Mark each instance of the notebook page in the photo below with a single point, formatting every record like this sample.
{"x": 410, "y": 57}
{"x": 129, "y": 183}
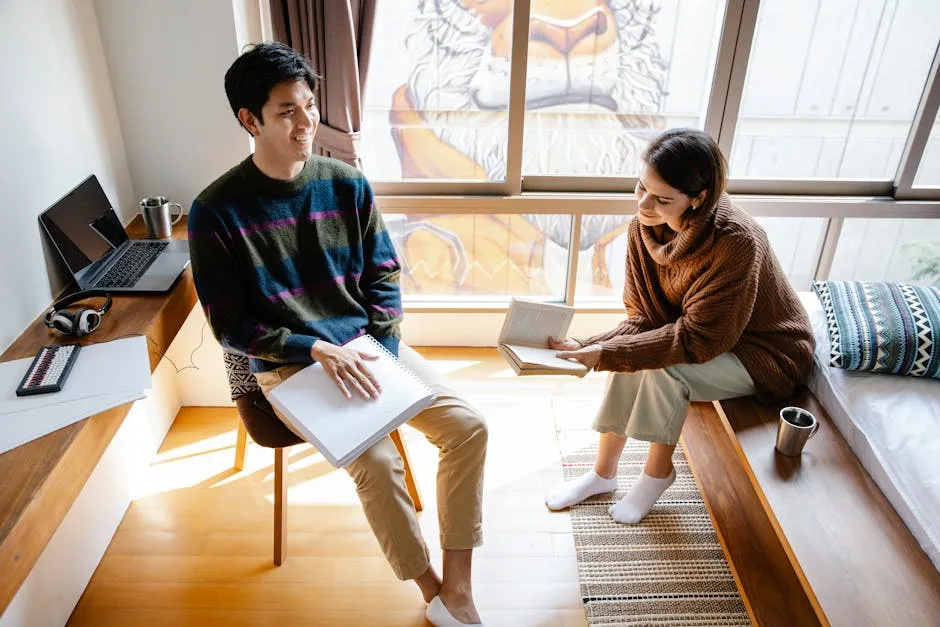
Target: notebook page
{"x": 337, "y": 425}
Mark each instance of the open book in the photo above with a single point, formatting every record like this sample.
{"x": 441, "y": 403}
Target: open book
{"x": 343, "y": 428}
{"x": 523, "y": 341}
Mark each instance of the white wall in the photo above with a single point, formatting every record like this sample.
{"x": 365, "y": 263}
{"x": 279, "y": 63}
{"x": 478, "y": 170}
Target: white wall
{"x": 167, "y": 61}
{"x": 59, "y": 125}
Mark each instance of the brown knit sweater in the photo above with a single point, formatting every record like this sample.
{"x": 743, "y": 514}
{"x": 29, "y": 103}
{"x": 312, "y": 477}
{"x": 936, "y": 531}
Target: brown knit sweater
{"x": 713, "y": 287}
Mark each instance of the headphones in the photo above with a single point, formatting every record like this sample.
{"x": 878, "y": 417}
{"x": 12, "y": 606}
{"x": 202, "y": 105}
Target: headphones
{"x": 80, "y": 322}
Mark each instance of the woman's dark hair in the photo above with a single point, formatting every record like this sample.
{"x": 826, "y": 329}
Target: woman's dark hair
{"x": 253, "y": 75}
{"x": 690, "y": 161}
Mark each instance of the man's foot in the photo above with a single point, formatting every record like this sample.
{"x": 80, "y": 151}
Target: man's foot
{"x": 637, "y": 503}
{"x": 572, "y": 492}
{"x": 429, "y": 583}
{"x": 456, "y": 612}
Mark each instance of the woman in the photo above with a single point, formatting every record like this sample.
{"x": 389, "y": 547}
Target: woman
{"x": 711, "y": 316}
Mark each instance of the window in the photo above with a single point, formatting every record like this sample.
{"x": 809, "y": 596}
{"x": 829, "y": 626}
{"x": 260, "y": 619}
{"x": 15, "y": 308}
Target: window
{"x": 602, "y": 258}
{"x": 812, "y": 100}
{"x": 481, "y": 256}
{"x": 907, "y": 250}
{"x": 928, "y": 174}
{"x": 797, "y": 243}
{"x": 437, "y": 99}
{"x": 605, "y": 77}
{"x": 832, "y": 87}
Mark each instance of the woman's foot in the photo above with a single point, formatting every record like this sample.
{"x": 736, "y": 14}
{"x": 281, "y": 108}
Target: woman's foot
{"x": 572, "y": 492}
{"x": 638, "y": 502}
{"x": 452, "y": 611}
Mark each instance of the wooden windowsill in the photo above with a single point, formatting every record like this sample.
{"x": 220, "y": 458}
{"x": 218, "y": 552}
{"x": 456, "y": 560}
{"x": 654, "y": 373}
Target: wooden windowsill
{"x": 42, "y": 478}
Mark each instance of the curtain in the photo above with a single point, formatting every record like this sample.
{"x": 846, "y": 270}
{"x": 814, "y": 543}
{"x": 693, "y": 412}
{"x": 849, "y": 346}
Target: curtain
{"x": 336, "y": 35}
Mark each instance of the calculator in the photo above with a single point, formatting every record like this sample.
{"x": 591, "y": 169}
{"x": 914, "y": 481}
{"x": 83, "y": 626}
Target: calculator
{"x": 49, "y": 370}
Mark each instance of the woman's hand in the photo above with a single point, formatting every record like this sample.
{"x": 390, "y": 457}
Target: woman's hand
{"x": 566, "y": 344}
{"x": 347, "y": 368}
{"x": 589, "y": 355}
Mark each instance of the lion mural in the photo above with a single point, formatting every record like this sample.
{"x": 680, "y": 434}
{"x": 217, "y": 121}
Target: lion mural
{"x": 595, "y": 86}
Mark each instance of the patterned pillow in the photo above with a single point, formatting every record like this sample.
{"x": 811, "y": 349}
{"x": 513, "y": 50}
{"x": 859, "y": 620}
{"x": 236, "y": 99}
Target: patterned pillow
{"x": 882, "y": 327}
{"x": 240, "y": 379}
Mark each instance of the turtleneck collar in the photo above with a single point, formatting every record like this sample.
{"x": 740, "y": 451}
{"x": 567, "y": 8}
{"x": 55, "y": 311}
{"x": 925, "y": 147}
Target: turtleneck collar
{"x": 277, "y": 187}
{"x": 696, "y": 237}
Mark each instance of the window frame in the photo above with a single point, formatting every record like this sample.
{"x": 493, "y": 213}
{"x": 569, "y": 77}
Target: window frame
{"x": 833, "y": 199}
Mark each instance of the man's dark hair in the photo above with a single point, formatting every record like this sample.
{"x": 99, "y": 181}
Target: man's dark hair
{"x": 248, "y": 83}
{"x": 689, "y": 160}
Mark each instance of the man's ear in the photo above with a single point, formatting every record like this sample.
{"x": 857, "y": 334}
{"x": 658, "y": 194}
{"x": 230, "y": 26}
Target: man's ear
{"x": 249, "y": 121}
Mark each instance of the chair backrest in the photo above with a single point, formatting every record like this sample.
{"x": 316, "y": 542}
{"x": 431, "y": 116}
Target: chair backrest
{"x": 255, "y": 412}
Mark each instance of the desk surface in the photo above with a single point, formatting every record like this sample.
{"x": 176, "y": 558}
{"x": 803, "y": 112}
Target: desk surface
{"x": 42, "y": 478}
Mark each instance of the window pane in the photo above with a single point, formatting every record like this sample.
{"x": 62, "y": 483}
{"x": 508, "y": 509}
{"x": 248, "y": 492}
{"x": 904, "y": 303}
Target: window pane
{"x": 796, "y": 242}
{"x": 437, "y": 91}
{"x": 605, "y": 75}
{"x": 478, "y": 255}
{"x": 832, "y": 87}
{"x": 928, "y": 173}
{"x": 601, "y": 265}
{"x": 601, "y": 259}
{"x": 888, "y": 250}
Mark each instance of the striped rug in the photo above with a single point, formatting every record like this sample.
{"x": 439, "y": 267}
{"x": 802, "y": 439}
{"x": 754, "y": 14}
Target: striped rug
{"x": 667, "y": 570}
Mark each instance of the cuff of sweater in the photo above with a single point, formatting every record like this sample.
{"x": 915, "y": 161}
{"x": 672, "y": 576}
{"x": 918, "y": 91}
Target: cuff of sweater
{"x": 612, "y": 357}
{"x": 297, "y": 348}
{"x": 390, "y": 343}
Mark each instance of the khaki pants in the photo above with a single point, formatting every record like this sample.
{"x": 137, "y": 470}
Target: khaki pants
{"x": 458, "y": 431}
{"x": 651, "y": 405}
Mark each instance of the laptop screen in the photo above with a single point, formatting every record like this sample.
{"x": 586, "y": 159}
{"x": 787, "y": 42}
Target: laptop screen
{"x": 83, "y": 226}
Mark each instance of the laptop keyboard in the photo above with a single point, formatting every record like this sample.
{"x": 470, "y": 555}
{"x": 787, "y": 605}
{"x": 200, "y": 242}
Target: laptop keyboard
{"x": 132, "y": 265}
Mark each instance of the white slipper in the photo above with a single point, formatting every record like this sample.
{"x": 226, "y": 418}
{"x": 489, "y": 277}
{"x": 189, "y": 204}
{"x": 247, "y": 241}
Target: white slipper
{"x": 439, "y": 616}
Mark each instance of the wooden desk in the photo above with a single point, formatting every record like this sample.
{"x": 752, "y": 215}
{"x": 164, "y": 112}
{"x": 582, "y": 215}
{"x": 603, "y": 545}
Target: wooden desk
{"x": 812, "y": 539}
{"x": 42, "y": 478}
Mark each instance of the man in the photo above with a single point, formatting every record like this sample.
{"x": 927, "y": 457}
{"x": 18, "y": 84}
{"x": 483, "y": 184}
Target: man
{"x": 291, "y": 260}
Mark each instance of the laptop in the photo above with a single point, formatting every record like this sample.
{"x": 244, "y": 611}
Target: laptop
{"x": 89, "y": 237}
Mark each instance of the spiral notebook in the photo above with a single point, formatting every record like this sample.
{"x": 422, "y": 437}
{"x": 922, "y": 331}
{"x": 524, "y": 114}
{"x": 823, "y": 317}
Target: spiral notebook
{"x": 343, "y": 428}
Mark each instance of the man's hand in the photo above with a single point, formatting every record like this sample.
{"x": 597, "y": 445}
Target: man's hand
{"x": 589, "y": 355}
{"x": 347, "y": 368}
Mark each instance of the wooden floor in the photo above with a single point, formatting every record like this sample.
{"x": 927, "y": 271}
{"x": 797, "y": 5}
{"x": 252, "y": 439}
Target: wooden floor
{"x": 195, "y": 547}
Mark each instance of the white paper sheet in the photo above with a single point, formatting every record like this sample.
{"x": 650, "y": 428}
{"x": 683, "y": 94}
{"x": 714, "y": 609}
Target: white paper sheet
{"x": 107, "y": 368}
{"x": 24, "y": 426}
{"x": 104, "y": 375}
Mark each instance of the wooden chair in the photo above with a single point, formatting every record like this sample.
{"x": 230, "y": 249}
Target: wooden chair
{"x": 257, "y": 419}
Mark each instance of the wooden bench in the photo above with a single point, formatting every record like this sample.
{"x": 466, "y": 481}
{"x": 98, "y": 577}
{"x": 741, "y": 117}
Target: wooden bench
{"x": 811, "y": 540}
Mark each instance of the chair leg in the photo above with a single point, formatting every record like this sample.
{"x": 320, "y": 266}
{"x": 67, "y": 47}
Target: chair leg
{"x": 280, "y": 506}
{"x": 409, "y": 477}
{"x": 241, "y": 443}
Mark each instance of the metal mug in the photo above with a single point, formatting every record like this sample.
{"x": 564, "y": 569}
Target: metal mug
{"x": 156, "y": 212}
{"x": 795, "y": 427}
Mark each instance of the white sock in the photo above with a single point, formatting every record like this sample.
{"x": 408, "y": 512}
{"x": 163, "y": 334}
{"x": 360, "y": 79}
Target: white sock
{"x": 571, "y": 492}
{"x": 637, "y": 503}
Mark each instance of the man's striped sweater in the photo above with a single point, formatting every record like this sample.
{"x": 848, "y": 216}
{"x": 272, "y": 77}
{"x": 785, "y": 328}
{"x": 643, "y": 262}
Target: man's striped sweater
{"x": 281, "y": 264}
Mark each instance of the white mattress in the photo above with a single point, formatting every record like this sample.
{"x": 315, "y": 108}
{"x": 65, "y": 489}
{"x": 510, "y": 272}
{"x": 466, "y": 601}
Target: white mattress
{"x": 892, "y": 424}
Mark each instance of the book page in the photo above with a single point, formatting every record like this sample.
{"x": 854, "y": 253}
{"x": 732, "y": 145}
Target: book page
{"x": 529, "y": 355}
{"x": 530, "y": 323}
